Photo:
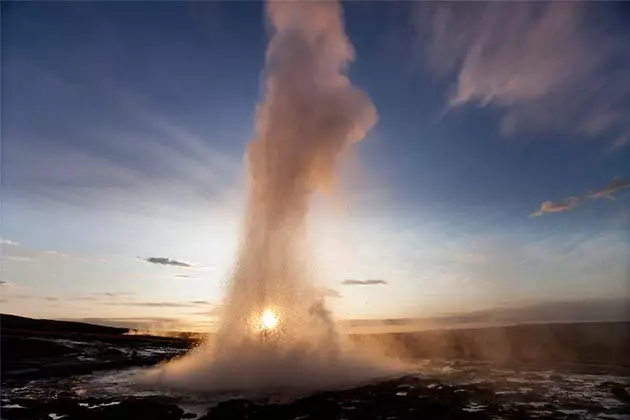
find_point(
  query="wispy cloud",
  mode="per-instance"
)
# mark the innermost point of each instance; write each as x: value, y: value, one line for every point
x: 16, y: 258
x: 160, y: 304
x: 14, y: 251
x: 351, y: 282
x: 70, y: 255
x: 168, y: 163
x: 213, y: 311
x: 152, y: 304
x: 113, y: 295
x: 11, y: 250
x: 102, y: 296
x: 84, y: 298
x: 58, y: 253
x: 184, y: 276
x: 607, y: 192
x: 167, y: 261
x: 551, y: 207
x: 331, y: 293
x: 544, y: 63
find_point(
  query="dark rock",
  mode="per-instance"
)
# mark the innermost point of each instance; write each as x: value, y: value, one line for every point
x: 136, y: 409
x: 620, y: 393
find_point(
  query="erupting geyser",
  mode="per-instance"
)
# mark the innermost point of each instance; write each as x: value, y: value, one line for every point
x: 275, y: 331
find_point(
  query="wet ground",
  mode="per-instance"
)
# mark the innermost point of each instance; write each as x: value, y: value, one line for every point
x: 83, y: 376
x: 432, y: 390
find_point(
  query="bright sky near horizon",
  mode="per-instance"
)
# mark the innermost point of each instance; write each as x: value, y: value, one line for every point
x: 498, y: 173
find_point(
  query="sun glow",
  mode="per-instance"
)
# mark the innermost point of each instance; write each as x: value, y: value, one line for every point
x: 268, y: 320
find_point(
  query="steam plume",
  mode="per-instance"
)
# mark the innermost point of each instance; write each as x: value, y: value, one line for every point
x: 310, y: 113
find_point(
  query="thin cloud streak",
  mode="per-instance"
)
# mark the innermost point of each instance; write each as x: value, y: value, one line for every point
x: 102, y: 296
x: 551, y: 207
x: 351, y: 282
x: 609, y: 190
x: 330, y: 293
x: 606, y: 192
x: 152, y: 304
x: 215, y: 311
x: 167, y: 261
x: 114, y: 294
x: 162, y: 304
x: 14, y: 251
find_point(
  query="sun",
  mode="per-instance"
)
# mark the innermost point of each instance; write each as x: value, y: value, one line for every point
x: 268, y: 320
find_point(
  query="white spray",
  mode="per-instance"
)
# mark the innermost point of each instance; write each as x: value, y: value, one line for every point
x: 275, y: 331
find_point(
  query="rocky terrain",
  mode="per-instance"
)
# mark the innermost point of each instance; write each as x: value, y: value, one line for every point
x: 80, y: 374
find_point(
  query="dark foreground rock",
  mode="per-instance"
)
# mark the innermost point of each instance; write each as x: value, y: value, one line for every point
x: 410, y: 397
x: 31, y: 356
x: 132, y: 409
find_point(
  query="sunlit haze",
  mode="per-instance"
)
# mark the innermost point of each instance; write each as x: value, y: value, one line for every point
x: 268, y: 320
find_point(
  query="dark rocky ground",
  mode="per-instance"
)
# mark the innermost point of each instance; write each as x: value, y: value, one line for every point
x: 441, y: 391
x: 44, y: 356
x: 70, y: 374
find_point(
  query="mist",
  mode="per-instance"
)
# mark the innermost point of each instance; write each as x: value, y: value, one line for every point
x: 310, y: 113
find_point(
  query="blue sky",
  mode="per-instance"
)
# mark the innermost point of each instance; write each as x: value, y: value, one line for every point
x: 496, y: 174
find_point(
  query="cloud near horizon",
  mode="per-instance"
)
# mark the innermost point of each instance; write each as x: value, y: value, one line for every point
x: 121, y: 299
x: 351, y: 282
x: 114, y: 294
x: 94, y: 297
x: 166, y: 261
x: 164, y: 304
x: 606, y: 192
x: 214, y: 311
x: 151, y: 304
x: 14, y: 251
x: 545, y: 65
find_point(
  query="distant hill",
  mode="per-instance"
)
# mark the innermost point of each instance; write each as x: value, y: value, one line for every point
x: 587, y: 310
x: 18, y: 323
